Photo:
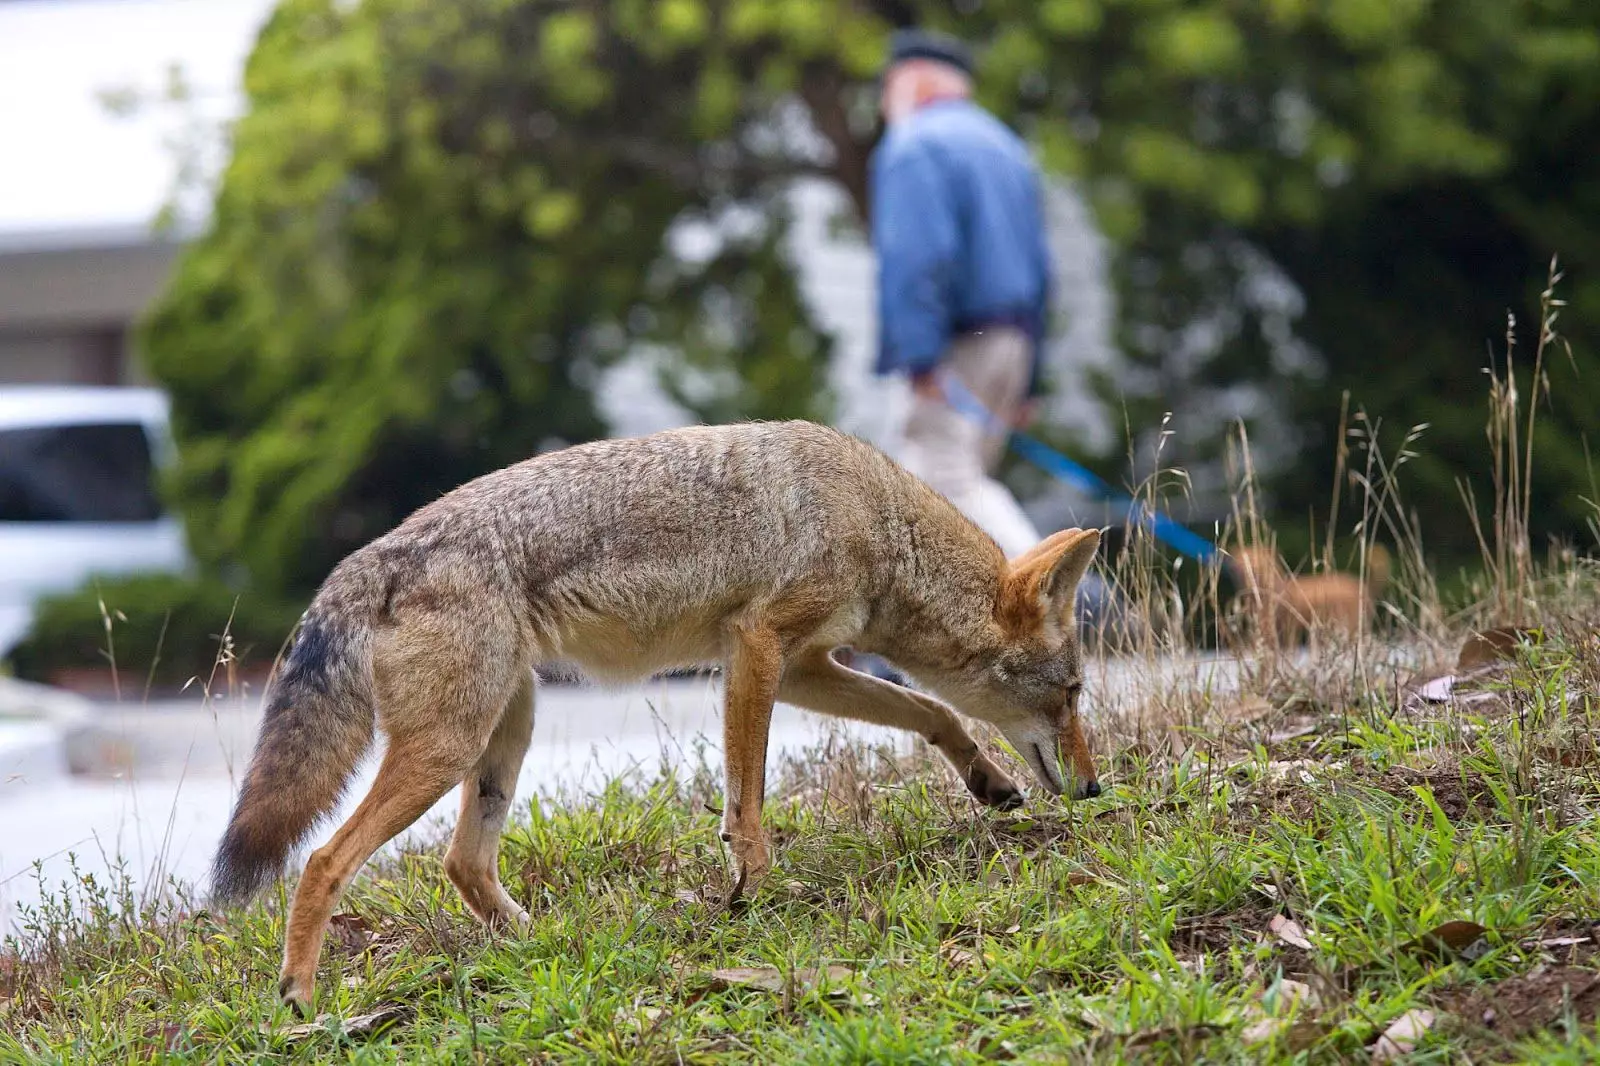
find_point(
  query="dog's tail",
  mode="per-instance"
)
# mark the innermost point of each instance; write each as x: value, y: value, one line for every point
x: 1377, y: 572
x: 317, y: 724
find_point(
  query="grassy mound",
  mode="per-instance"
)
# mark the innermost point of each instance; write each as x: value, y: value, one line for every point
x: 1274, y: 878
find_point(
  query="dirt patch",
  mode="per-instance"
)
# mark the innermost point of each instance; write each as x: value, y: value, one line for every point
x: 1292, y: 799
x: 1461, y: 795
x: 1519, y: 1006
x: 1565, y: 984
x: 1029, y: 833
x: 1214, y: 934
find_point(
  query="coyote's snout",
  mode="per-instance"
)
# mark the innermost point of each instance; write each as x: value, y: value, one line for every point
x: 762, y: 547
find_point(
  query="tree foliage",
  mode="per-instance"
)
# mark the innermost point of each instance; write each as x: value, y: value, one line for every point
x: 1408, y: 292
x: 1315, y: 199
x: 441, y: 221
x: 443, y: 218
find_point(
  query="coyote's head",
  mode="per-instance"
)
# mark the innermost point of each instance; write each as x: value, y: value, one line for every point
x: 1029, y: 682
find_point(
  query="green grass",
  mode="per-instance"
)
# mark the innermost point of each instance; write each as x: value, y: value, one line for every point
x: 1133, y: 927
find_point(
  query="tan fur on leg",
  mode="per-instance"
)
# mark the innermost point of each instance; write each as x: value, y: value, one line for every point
x: 472, y: 861
x: 817, y: 683
x: 755, y: 663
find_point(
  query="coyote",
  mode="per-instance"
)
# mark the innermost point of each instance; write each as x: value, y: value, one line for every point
x: 1287, y: 607
x: 761, y: 546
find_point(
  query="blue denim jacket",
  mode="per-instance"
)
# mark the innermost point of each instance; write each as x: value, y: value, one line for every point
x: 959, y: 230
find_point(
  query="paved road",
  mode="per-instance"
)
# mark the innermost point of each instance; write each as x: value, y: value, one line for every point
x: 165, y: 811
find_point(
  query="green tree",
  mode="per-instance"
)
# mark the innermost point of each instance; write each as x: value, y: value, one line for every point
x: 1409, y: 167
x: 440, y: 222
x: 443, y: 219
x: 1408, y: 291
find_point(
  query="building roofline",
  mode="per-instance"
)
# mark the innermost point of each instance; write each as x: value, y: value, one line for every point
x: 92, y: 238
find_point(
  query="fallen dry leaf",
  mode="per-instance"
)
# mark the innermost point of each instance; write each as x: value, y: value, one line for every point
x: 1563, y: 941
x: 351, y: 932
x: 1403, y: 1035
x: 357, y: 1025
x: 1294, y: 994
x: 1294, y: 1035
x: 957, y: 955
x: 1290, y: 999
x: 1438, y: 690
x: 1494, y: 645
x: 1295, y: 769
x: 1288, y: 930
x: 1446, y: 941
x: 771, y: 979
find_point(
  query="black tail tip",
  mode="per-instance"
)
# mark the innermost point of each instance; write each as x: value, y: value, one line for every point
x: 237, y: 877
x: 232, y: 890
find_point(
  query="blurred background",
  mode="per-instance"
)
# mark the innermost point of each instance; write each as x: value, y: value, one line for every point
x: 334, y: 257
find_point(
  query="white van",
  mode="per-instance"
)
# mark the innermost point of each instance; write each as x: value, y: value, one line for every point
x: 78, y: 467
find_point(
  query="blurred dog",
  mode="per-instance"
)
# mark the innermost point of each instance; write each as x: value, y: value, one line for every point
x: 1287, y: 608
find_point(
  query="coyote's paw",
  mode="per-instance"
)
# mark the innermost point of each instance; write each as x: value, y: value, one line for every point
x: 751, y: 861
x: 296, y: 993
x: 993, y: 786
x: 508, y: 918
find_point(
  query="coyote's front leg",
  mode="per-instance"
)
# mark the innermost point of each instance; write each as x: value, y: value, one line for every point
x: 755, y: 665
x: 817, y: 683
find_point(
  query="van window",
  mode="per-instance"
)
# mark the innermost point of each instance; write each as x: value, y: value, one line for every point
x: 77, y: 473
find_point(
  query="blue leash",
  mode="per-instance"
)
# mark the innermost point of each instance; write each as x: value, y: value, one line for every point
x: 1058, y: 466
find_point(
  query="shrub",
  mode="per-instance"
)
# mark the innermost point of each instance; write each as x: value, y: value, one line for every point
x: 161, y: 629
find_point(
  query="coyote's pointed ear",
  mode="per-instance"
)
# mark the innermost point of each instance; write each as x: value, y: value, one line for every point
x: 1046, y: 547
x: 1040, y: 583
x: 1071, y: 562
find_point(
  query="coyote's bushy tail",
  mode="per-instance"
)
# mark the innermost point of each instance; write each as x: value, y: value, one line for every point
x: 317, y: 724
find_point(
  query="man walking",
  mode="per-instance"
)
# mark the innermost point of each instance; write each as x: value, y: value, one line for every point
x: 964, y: 275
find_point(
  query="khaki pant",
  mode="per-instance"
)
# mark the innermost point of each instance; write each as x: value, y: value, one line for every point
x: 954, y: 454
